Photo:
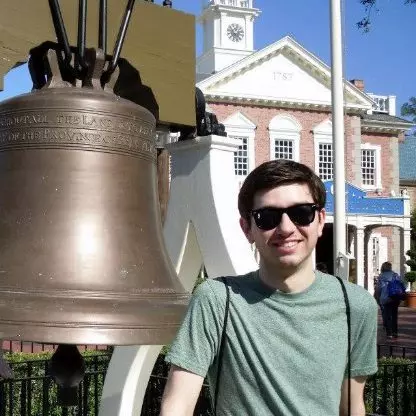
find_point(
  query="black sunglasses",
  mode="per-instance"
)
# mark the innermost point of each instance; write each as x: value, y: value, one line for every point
x: 268, y: 218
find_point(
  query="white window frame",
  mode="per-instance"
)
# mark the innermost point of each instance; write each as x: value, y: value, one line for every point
x: 318, y: 141
x: 284, y: 127
x: 377, y: 150
x: 239, y: 126
x: 323, y: 134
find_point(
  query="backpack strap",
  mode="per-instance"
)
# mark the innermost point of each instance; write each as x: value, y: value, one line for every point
x: 222, y: 343
x: 348, y: 312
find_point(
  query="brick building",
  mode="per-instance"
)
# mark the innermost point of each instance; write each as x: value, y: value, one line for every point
x: 277, y: 101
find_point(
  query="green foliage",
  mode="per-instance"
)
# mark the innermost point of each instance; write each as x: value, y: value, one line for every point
x: 395, y: 375
x: 370, y: 6
x: 32, y: 388
x: 411, y: 278
x: 411, y: 262
x: 395, y: 378
x: 18, y: 357
x: 394, y: 361
x: 413, y: 224
x: 409, y: 109
x: 200, y: 279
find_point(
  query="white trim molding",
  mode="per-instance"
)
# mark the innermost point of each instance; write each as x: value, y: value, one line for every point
x: 378, y: 167
x: 356, y: 100
x: 285, y: 127
x: 239, y: 126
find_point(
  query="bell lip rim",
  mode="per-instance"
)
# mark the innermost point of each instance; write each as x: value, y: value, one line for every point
x: 93, y: 336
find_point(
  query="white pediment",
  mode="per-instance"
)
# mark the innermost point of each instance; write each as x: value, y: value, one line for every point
x: 284, y: 122
x: 282, y: 72
x: 324, y: 128
x: 239, y: 121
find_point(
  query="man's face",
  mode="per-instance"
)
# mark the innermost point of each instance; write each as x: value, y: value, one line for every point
x: 288, y: 246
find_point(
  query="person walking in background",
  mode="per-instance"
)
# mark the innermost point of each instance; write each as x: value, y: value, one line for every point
x: 389, y: 293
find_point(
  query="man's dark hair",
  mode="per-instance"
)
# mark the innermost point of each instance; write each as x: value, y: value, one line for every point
x: 275, y: 173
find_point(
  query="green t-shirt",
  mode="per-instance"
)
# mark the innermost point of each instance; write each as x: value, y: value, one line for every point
x: 285, y: 353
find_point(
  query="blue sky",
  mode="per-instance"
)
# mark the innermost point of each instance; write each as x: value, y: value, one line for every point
x: 384, y: 58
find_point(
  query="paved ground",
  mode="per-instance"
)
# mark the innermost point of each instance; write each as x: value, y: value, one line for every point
x: 407, y: 334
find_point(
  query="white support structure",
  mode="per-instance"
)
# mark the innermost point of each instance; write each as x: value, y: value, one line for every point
x: 201, y: 227
x: 337, y: 84
x: 359, y: 255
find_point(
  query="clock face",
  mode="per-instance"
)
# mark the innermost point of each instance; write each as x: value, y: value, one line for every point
x: 235, y: 32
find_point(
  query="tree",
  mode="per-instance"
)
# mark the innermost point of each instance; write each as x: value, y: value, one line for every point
x: 409, y: 109
x: 369, y: 6
x: 411, y: 276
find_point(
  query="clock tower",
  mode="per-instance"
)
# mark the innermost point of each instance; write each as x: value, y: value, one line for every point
x: 227, y: 33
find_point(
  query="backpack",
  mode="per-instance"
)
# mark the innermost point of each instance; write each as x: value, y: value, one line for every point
x: 395, y: 288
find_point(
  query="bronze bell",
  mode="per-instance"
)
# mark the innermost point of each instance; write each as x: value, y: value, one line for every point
x: 82, y: 256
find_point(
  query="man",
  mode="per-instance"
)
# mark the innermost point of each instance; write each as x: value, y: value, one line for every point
x: 286, y: 341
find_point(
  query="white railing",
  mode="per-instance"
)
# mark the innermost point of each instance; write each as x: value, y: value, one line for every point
x: 234, y: 3
x: 384, y: 103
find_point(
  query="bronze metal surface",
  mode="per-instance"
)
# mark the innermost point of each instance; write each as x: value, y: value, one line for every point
x: 82, y: 257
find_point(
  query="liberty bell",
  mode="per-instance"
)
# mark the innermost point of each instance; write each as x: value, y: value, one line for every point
x: 82, y: 256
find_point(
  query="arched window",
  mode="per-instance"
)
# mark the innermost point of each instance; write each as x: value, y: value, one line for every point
x: 284, y: 131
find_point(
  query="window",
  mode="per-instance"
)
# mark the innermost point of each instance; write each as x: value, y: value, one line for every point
x: 325, y: 161
x: 370, y: 166
x: 284, y: 137
x: 238, y: 126
x: 241, y: 162
x: 283, y: 149
x: 324, y: 152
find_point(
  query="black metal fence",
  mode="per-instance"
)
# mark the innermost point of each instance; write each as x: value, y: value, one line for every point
x: 32, y: 392
x: 391, y: 350
x: 391, y: 392
x: 34, y: 347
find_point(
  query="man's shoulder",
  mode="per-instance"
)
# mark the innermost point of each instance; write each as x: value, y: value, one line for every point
x: 358, y: 297
x: 215, y: 287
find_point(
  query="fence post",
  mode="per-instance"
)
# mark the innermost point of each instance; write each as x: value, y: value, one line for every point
x: 2, y: 399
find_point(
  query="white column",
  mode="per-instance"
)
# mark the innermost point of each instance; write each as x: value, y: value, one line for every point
x: 338, y: 131
x: 404, y: 247
x: 359, y: 255
x: 314, y: 258
x: 368, y: 274
x: 392, y: 105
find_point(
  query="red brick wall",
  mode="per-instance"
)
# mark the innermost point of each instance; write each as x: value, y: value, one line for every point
x: 261, y: 116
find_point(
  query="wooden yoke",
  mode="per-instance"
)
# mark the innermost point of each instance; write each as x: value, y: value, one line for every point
x: 160, y: 44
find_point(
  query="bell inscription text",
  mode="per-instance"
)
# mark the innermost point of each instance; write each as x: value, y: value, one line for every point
x: 112, y: 133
